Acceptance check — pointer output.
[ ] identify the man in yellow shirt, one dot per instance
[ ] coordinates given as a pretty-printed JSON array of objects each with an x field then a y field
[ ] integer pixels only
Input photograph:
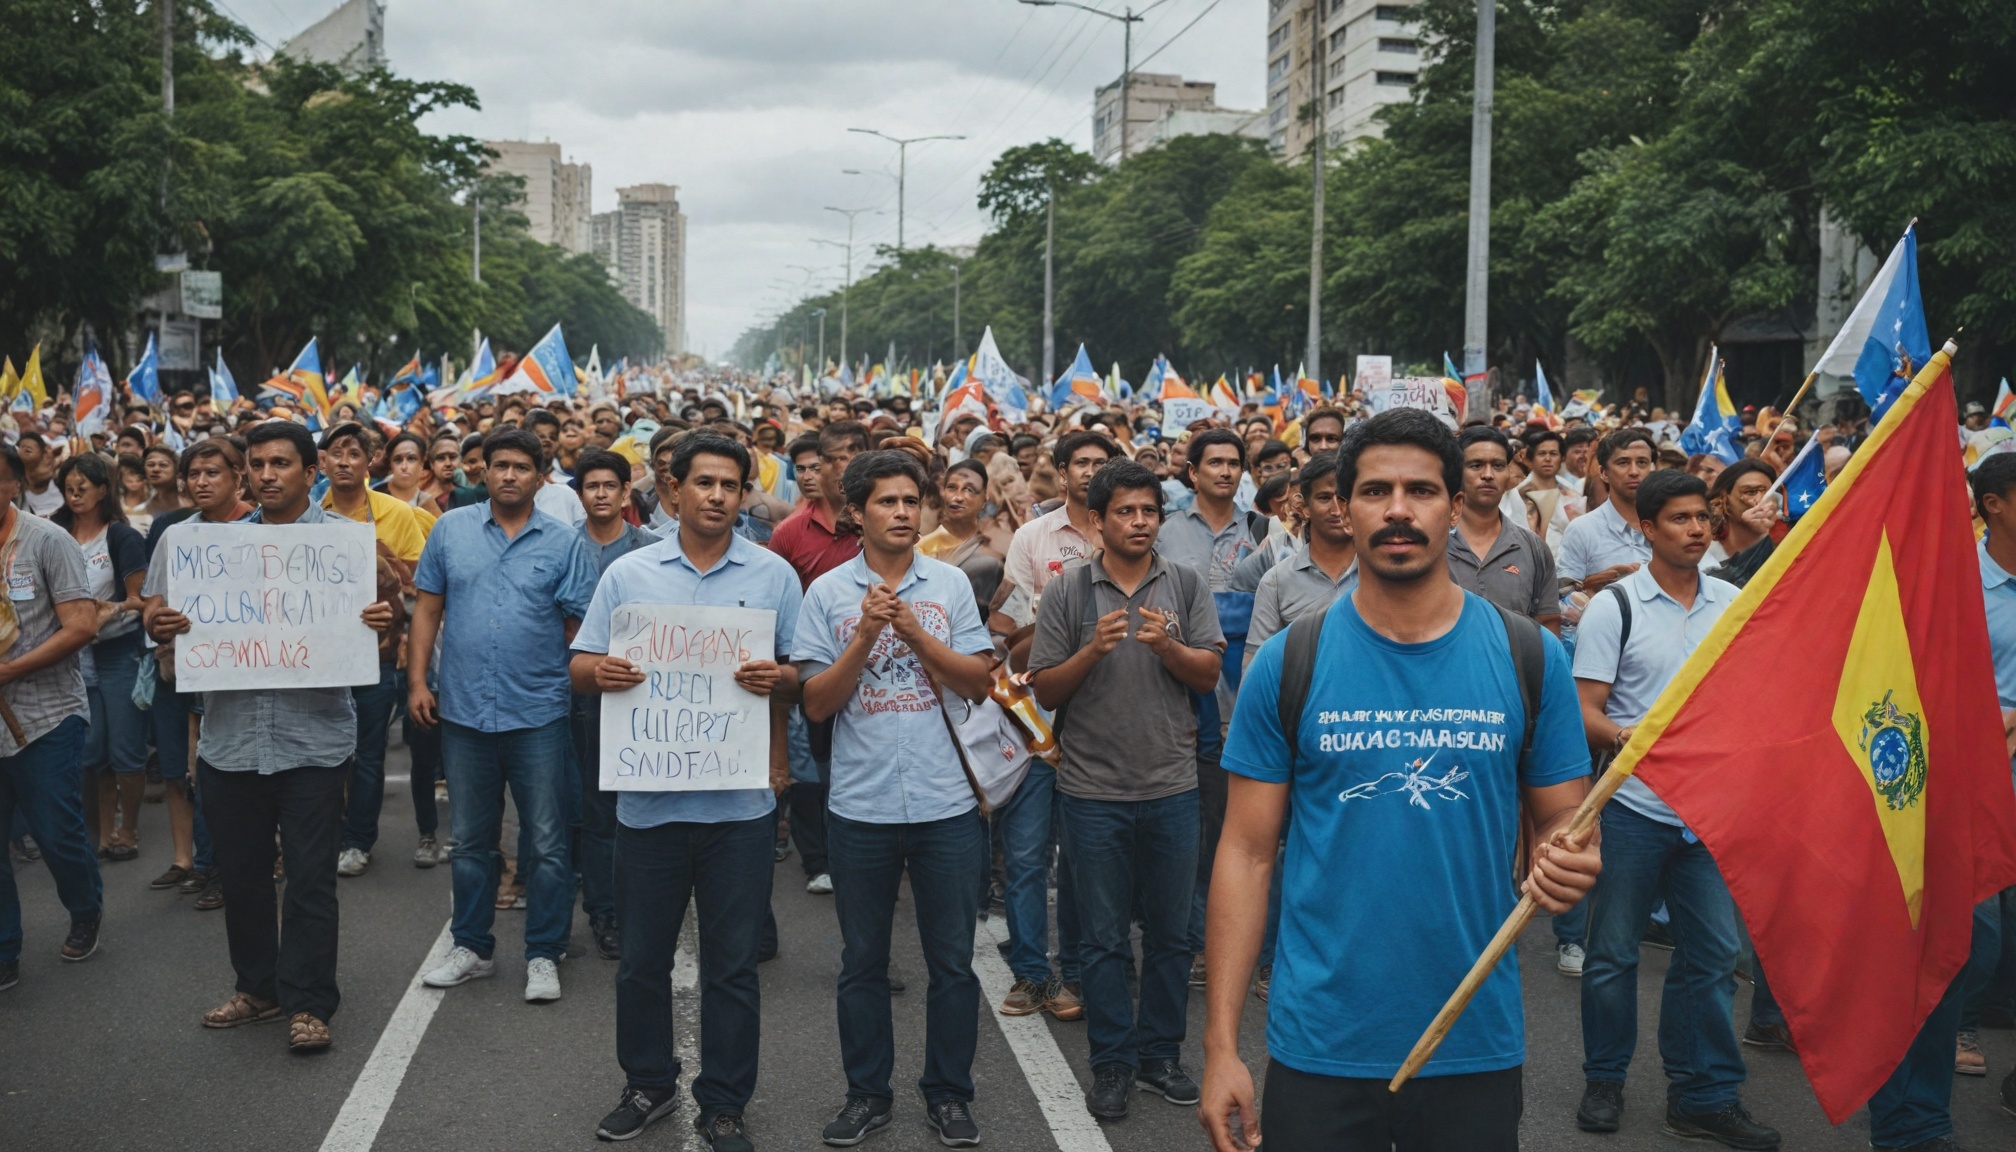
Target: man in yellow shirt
[{"x": 346, "y": 451}]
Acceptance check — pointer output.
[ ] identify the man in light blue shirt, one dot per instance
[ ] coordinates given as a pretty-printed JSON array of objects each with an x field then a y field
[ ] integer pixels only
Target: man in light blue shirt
[
  {"x": 886, "y": 639},
  {"x": 1605, "y": 545},
  {"x": 503, "y": 586},
  {"x": 1671, "y": 607},
  {"x": 709, "y": 847}
]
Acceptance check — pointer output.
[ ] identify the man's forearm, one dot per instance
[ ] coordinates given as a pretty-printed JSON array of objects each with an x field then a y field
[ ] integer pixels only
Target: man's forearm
[
  {"x": 826, "y": 693},
  {"x": 420, "y": 644},
  {"x": 1235, "y": 922},
  {"x": 1197, "y": 668},
  {"x": 958, "y": 672},
  {"x": 1058, "y": 683}
]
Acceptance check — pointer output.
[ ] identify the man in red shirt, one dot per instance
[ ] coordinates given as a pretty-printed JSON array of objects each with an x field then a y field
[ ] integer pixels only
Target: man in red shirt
[{"x": 813, "y": 539}]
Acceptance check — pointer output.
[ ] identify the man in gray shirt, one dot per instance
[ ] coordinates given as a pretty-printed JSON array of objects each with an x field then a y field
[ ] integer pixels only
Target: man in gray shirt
[
  {"x": 1323, "y": 569},
  {"x": 1120, "y": 644},
  {"x": 43, "y": 688},
  {"x": 1489, "y": 554},
  {"x": 274, "y": 761}
]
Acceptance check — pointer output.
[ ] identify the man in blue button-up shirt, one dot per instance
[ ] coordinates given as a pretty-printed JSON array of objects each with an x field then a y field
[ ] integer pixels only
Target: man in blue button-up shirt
[
  {"x": 503, "y": 585},
  {"x": 881, "y": 635},
  {"x": 710, "y": 847}
]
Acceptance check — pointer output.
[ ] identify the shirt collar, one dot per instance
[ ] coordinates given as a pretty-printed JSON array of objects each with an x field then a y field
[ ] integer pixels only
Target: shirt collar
[
  {"x": 1647, "y": 587},
  {"x": 313, "y": 514},
  {"x": 1156, "y": 567},
  {"x": 737, "y": 553},
  {"x": 531, "y": 522},
  {"x": 857, "y": 569},
  {"x": 1992, "y": 575}
]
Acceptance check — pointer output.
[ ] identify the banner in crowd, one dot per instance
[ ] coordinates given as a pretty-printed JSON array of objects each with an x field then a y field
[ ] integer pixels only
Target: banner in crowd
[
  {"x": 1374, "y": 373},
  {"x": 273, "y": 605},
  {"x": 1423, "y": 392},
  {"x": 689, "y": 727}
]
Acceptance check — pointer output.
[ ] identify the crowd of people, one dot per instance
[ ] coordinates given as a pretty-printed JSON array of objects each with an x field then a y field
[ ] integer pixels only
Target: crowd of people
[{"x": 1204, "y": 673}]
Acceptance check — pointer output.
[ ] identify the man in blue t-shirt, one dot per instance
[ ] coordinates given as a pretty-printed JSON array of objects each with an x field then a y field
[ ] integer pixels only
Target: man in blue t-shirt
[{"x": 1407, "y": 792}]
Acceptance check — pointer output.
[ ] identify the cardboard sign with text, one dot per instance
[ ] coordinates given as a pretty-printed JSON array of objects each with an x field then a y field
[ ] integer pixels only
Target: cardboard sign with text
[
  {"x": 689, "y": 727},
  {"x": 273, "y": 605}
]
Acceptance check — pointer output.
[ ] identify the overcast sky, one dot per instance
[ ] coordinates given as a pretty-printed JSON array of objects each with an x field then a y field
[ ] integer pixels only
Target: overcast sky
[{"x": 745, "y": 105}]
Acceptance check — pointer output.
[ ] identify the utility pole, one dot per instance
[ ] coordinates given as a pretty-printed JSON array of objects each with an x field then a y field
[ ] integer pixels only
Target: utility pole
[
  {"x": 821, "y": 314},
  {"x": 902, "y": 168},
  {"x": 955, "y": 312},
  {"x": 1477, "y": 283},
  {"x": 1049, "y": 287},
  {"x": 1127, "y": 20},
  {"x": 476, "y": 247},
  {"x": 1314, "y": 355},
  {"x": 847, "y": 286},
  {"x": 167, "y": 93}
]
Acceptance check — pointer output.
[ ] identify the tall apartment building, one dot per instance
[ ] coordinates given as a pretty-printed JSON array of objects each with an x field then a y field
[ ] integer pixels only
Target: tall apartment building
[
  {"x": 352, "y": 37},
  {"x": 1160, "y": 107},
  {"x": 643, "y": 245},
  {"x": 1370, "y": 57},
  {"x": 557, "y": 200}
]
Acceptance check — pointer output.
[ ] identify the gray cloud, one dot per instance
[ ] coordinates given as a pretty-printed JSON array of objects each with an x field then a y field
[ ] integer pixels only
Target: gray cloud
[{"x": 745, "y": 105}]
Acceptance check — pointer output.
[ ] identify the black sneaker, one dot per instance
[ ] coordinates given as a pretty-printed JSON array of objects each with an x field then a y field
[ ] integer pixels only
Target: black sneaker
[
  {"x": 1770, "y": 1037},
  {"x": 1729, "y": 1124},
  {"x": 1108, "y": 1098},
  {"x": 197, "y": 880},
  {"x": 858, "y": 1117},
  {"x": 10, "y": 975},
  {"x": 954, "y": 1121},
  {"x": 1167, "y": 1077},
  {"x": 608, "y": 941},
  {"x": 636, "y": 1108},
  {"x": 1602, "y": 1108},
  {"x": 723, "y": 1132},
  {"x": 82, "y": 941},
  {"x": 211, "y": 898}
]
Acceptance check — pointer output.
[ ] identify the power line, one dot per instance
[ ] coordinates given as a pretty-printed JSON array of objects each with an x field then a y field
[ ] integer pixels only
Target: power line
[{"x": 1179, "y": 34}]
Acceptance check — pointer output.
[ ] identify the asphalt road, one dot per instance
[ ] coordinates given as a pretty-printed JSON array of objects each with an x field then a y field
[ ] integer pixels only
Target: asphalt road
[{"x": 108, "y": 1055}]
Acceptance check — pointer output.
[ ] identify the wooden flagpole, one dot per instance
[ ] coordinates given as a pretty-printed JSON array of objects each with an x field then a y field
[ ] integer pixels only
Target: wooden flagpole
[{"x": 1578, "y": 832}]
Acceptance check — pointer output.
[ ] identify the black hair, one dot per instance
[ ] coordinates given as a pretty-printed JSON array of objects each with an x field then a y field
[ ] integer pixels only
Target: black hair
[
  {"x": 1320, "y": 465},
  {"x": 1537, "y": 436},
  {"x": 603, "y": 459},
  {"x": 1483, "y": 434},
  {"x": 1121, "y": 475},
  {"x": 1021, "y": 440},
  {"x": 851, "y": 435},
  {"x": 1665, "y": 486},
  {"x": 347, "y": 430},
  {"x": 1993, "y": 476},
  {"x": 12, "y": 456},
  {"x": 513, "y": 440},
  {"x": 968, "y": 465},
  {"x": 1580, "y": 434},
  {"x": 708, "y": 444},
  {"x": 267, "y": 431},
  {"x": 469, "y": 443},
  {"x": 536, "y": 415},
  {"x": 1413, "y": 427},
  {"x": 413, "y": 438},
  {"x": 663, "y": 436},
  {"x": 1194, "y": 452},
  {"x": 1621, "y": 439},
  {"x": 1725, "y": 481},
  {"x": 1270, "y": 492},
  {"x": 1271, "y": 449},
  {"x": 228, "y": 448},
  {"x": 869, "y": 468},
  {"x": 809, "y": 442},
  {"x": 1068, "y": 445},
  {"x": 1324, "y": 413},
  {"x": 92, "y": 467}
]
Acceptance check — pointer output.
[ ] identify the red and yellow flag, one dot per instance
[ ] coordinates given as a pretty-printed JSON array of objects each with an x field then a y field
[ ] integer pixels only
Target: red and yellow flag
[{"x": 1837, "y": 744}]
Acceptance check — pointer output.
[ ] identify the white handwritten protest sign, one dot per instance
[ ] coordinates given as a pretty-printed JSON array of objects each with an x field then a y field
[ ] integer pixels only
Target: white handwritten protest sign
[
  {"x": 1424, "y": 392},
  {"x": 1374, "y": 373},
  {"x": 1179, "y": 412},
  {"x": 689, "y": 727},
  {"x": 273, "y": 605}
]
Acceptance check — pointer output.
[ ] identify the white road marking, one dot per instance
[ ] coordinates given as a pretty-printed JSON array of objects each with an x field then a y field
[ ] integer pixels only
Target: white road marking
[
  {"x": 686, "y": 1020},
  {"x": 1056, "y": 1087},
  {"x": 356, "y": 1126}
]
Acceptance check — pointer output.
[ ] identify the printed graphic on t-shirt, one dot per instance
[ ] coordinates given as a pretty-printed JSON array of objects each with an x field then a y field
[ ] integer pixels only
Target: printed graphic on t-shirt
[
  {"x": 893, "y": 680},
  {"x": 1446, "y": 734}
]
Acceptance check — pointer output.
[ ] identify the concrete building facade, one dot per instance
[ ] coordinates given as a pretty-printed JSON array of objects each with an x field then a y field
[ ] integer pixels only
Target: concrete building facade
[
  {"x": 558, "y": 194},
  {"x": 1370, "y": 57},
  {"x": 352, "y": 38},
  {"x": 1160, "y": 107},
  {"x": 643, "y": 245}
]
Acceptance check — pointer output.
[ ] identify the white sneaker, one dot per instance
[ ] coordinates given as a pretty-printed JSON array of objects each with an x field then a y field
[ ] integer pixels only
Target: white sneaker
[
  {"x": 542, "y": 981},
  {"x": 461, "y": 967},
  {"x": 1569, "y": 959},
  {"x": 820, "y": 885},
  {"x": 352, "y": 862}
]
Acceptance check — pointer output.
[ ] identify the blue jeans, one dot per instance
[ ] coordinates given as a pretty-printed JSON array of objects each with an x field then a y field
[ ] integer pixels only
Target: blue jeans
[
  {"x": 1123, "y": 855},
  {"x": 375, "y": 703},
  {"x": 1915, "y": 1104},
  {"x": 595, "y": 843},
  {"x": 42, "y": 783},
  {"x": 533, "y": 761},
  {"x": 725, "y": 869},
  {"x": 1028, "y": 828},
  {"x": 117, "y": 739},
  {"x": 1697, "y": 1038},
  {"x": 946, "y": 860}
]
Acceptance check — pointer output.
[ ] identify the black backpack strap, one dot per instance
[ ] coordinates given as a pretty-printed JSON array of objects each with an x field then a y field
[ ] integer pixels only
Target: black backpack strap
[
  {"x": 1088, "y": 619},
  {"x": 1298, "y": 667},
  {"x": 1529, "y": 660},
  {"x": 1623, "y": 607}
]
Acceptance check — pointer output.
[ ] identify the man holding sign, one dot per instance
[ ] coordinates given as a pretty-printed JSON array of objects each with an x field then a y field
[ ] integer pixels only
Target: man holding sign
[
  {"x": 273, "y": 761},
  {"x": 664, "y": 641}
]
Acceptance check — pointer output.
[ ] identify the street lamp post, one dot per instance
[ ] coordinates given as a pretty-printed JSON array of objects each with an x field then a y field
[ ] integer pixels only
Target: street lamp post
[
  {"x": 902, "y": 154},
  {"x": 1477, "y": 282},
  {"x": 1127, "y": 19},
  {"x": 848, "y": 286},
  {"x": 821, "y": 314},
  {"x": 955, "y": 311}
]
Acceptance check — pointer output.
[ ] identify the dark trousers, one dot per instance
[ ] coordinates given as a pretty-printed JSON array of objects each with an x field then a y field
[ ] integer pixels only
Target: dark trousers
[
  {"x": 808, "y": 825},
  {"x": 595, "y": 840},
  {"x": 1477, "y": 1112},
  {"x": 724, "y": 869},
  {"x": 296, "y": 966},
  {"x": 946, "y": 860},
  {"x": 424, "y": 745},
  {"x": 1126, "y": 855},
  {"x": 1916, "y": 1104},
  {"x": 367, "y": 769},
  {"x": 41, "y": 786}
]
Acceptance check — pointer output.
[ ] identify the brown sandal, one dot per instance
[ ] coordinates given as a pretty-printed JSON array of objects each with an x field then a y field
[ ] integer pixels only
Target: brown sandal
[
  {"x": 307, "y": 1034},
  {"x": 240, "y": 1009}
]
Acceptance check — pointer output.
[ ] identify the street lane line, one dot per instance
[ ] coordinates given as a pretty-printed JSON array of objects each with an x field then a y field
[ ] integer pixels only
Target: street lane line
[
  {"x": 356, "y": 1126},
  {"x": 1050, "y": 1077},
  {"x": 686, "y": 1014}
]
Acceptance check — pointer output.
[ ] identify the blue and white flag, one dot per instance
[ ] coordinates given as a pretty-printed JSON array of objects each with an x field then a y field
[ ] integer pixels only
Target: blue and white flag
[
  {"x": 1884, "y": 342},
  {"x": 145, "y": 379},
  {"x": 223, "y": 386},
  {"x": 1717, "y": 425},
  {"x": 1804, "y": 480}
]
